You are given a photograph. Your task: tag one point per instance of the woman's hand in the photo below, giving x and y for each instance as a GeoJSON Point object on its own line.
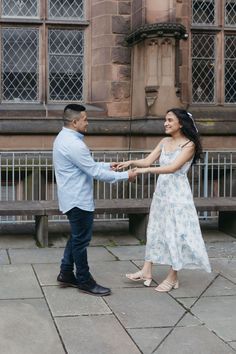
{"type": "Point", "coordinates": [125, 164]}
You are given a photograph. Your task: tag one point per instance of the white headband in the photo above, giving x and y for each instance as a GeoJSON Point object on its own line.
{"type": "Point", "coordinates": [191, 117]}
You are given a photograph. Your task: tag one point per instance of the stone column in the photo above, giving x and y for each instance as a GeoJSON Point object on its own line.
{"type": "Point", "coordinates": [110, 73]}
{"type": "Point", "coordinates": [155, 45]}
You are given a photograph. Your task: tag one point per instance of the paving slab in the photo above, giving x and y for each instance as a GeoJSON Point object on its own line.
{"type": "Point", "coordinates": [219, 315]}
{"type": "Point", "coordinates": [38, 255]}
{"type": "Point", "coordinates": [144, 307]}
{"type": "Point", "coordinates": [100, 254]}
{"type": "Point", "coordinates": [194, 340]}
{"type": "Point", "coordinates": [18, 282]}
{"type": "Point", "coordinates": [54, 255]}
{"type": "Point", "coordinates": [47, 273]}
{"type": "Point", "coordinates": [71, 302]}
{"type": "Point", "coordinates": [125, 253]}
{"type": "Point", "coordinates": [27, 328]}
{"type": "Point", "coordinates": [17, 241]}
{"type": "Point", "coordinates": [215, 235]}
{"type": "Point", "coordinates": [112, 239]}
{"type": "Point", "coordinates": [221, 286]}
{"type": "Point", "coordinates": [147, 339]}
{"type": "Point", "coordinates": [226, 267]}
{"type": "Point", "coordinates": [221, 249]}
{"type": "Point", "coordinates": [95, 334]}
{"type": "Point", "coordinates": [4, 257]}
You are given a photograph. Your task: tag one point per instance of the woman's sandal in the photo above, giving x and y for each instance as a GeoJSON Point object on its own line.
{"type": "Point", "coordinates": [138, 276]}
{"type": "Point", "coordinates": [166, 286]}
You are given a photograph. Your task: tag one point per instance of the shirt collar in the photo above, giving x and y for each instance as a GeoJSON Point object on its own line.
{"type": "Point", "coordinates": [81, 136]}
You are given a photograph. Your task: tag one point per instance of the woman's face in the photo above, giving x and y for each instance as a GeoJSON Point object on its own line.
{"type": "Point", "coordinates": [171, 124]}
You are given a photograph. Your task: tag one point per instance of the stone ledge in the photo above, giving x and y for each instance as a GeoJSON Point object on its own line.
{"type": "Point", "coordinates": [113, 126]}
{"type": "Point", "coordinates": [154, 30]}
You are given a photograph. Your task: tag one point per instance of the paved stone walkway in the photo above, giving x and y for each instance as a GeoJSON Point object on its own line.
{"type": "Point", "coordinates": [38, 317]}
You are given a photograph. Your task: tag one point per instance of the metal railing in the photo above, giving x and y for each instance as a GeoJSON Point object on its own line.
{"type": "Point", "coordinates": [28, 175]}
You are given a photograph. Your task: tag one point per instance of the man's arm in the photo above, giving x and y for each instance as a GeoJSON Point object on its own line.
{"type": "Point", "coordinates": [81, 157]}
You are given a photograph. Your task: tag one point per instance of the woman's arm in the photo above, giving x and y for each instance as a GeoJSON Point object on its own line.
{"type": "Point", "coordinates": [185, 156]}
{"type": "Point", "coordinates": [147, 161]}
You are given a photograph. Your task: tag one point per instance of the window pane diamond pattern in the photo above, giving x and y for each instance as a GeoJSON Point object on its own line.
{"type": "Point", "coordinates": [203, 68]}
{"type": "Point", "coordinates": [230, 12]}
{"type": "Point", "coordinates": [21, 8]}
{"type": "Point", "coordinates": [230, 69]}
{"type": "Point", "coordinates": [203, 12]}
{"type": "Point", "coordinates": [66, 65]}
{"type": "Point", "coordinates": [66, 8]}
{"type": "Point", "coordinates": [20, 65]}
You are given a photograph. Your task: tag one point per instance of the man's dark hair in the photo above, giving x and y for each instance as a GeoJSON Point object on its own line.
{"type": "Point", "coordinates": [72, 110]}
{"type": "Point", "coordinates": [75, 107]}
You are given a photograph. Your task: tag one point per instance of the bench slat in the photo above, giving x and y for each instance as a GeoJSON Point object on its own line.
{"type": "Point", "coordinates": [137, 209]}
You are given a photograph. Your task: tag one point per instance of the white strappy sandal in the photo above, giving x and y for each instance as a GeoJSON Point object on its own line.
{"type": "Point", "coordinates": [166, 286]}
{"type": "Point", "coordinates": [138, 276]}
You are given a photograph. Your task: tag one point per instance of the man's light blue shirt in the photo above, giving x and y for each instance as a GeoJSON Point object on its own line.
{"type": "Point", "coordinates": [75, 170]}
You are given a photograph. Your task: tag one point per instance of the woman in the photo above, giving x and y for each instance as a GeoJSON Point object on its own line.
{"type": "Point", "coordinates": [173, 234]}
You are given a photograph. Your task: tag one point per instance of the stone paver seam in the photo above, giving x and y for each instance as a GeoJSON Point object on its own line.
{"type": "Point", "coordinates": [204, 324]}
{"type": "Point", "coordinates": [113, 255]}
{"type": "Point", "coordinates": [59, 335]}
{"type": "Point", "coordinates": [225, 277]}
{"type": "Point", "coordinates": [122, 325]}
{"type": "Point", "coordinates": [172, 328]}
{"type": "Point", "coordinates": [189, 310]}
{"type": "Point", "coordinates": [84, 315]}
{"type": "Point", "coordinates": [186, 311]}
{"type": "Point", "coordinates": [8, 255]}
{"type": "Point", "coordinates": [217, 275]}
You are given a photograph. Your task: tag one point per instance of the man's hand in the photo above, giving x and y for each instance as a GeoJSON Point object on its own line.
{"type": "Point", "coordinates": [114, 166]}
{"type": "Point", "coordinates": [132, 175]}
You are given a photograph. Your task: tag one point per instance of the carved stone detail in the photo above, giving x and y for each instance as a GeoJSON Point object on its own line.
{"type": "Point", "coordinates": [151, 93]}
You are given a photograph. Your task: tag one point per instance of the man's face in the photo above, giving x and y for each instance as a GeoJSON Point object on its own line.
{"type": "Point", "coordinates": [81, 122]}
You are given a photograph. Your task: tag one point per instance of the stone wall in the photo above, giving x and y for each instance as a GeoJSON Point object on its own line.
{"type": "Point", "coordinates": [110, 56]}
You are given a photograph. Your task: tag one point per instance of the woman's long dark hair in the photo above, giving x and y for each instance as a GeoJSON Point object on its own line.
{"type": "Point", "coordinates": [189, 129]}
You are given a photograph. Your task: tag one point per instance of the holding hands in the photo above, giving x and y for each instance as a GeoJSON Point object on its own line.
{"type": "Point", "coordinates": [117, 166]}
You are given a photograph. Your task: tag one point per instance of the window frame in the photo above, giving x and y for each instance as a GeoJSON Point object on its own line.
{"type": "Point", "coordinates": [43, 23]}
{"type": "Point", "coordinates": [219, 30]}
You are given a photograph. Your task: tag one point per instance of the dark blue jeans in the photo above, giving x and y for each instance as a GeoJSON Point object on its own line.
{"type": "Point", "coordinates": [75, 253]}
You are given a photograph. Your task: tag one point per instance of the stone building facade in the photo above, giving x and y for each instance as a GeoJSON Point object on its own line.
{"type": "Point", "coordinates": [128, 61]}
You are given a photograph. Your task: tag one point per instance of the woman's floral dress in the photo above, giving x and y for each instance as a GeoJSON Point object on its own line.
{"type": "Point", "coordinates": [173, 234]}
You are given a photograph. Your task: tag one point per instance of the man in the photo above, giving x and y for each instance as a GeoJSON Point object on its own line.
{"type": "Point", "coordinates": [75, 170]}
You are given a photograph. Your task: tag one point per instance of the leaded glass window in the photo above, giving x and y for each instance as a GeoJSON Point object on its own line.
{"type": "Point", "coordinates": [66, 8]}
{"type": "Point", "coordinates": [20, 64]}
{"type": "Point", "coordinates": [203, 68]}
{"type": "Point", "coordinates": [230, 69]}
{"type": "Point", "coordinates": [230, 13]}
{"type": "Point", "coordinates": [20, 8]}
{"type": "Point", "coordinates": [203, 12]}
{"type": "Point", "coordinates": [66, 57]}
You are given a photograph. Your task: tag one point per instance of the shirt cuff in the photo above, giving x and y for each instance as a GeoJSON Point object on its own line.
{"type": "Point", "coordinates": [123, 175]}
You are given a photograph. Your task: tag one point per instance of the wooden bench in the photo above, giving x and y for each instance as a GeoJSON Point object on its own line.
{"type": "Point", "coordinates": [136, 209]}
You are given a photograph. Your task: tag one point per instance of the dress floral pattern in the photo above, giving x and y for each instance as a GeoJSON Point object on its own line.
{"type": "Point", "coordinates": [173, 234]}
